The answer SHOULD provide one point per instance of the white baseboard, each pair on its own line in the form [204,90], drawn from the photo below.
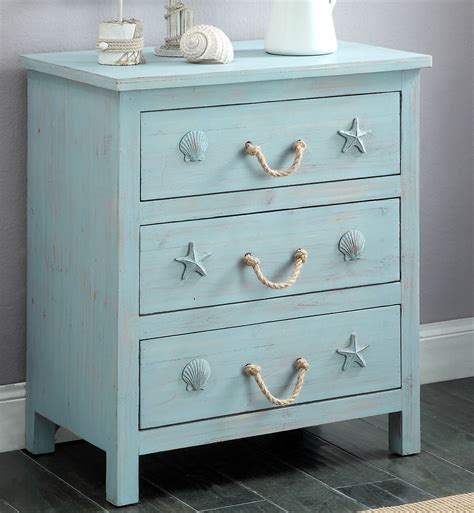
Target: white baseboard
[447,352]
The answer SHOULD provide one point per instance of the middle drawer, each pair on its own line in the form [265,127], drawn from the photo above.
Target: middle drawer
[200,263]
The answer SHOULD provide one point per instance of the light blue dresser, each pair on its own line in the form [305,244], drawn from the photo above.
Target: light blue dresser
[185,221]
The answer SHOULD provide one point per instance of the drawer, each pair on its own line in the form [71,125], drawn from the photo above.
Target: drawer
[218,247]
[201,375]
[213,140]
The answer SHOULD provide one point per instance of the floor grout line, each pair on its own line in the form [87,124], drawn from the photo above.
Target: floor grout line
[63,481]
[152,483]
[240,483]
[231,506]
[372,464]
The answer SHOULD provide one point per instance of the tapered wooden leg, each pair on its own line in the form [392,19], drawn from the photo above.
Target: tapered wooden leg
[40,433]
[404,431]
[122,478]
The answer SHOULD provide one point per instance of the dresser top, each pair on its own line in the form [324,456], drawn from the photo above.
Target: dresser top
[251,64]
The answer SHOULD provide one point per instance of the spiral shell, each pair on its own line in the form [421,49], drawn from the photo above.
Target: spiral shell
[207,44]
[193,146]
[352,245]
[196,374]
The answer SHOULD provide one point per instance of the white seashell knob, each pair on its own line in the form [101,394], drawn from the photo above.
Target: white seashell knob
[207,44]
[193,146]
[103,46]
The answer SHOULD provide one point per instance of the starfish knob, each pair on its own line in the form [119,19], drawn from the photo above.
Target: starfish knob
[352,354]
[354,137]
[193,262]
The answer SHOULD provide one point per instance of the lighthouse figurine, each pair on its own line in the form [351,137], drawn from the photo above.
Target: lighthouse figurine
[120,42]
[179,19]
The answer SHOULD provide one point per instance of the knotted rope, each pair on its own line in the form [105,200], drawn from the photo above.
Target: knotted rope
[255,151]
[254,370]
[300,257]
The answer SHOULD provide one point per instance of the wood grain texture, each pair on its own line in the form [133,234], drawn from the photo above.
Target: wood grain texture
[72,260]
[276,309]
[251,64]
[274,347]
[405,425]
[209,431]
[274,127]
[229,239]
[265,200]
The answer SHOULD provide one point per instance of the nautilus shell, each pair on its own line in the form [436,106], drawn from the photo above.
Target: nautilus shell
[194,145]
[207,44]
[352,245]
[196,374]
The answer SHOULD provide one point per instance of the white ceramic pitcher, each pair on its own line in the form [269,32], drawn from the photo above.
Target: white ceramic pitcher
[301,27]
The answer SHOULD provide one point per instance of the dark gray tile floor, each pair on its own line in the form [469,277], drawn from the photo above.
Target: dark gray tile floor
[333,468]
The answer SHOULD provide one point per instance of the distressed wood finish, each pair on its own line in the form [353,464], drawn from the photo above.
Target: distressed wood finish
[227,280]
[96,250]
[230,391]
[275,127]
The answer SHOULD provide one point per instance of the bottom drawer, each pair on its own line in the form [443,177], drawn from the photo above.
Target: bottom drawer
[198,376]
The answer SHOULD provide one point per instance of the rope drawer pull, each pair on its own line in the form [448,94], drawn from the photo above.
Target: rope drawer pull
[301,257]
[254,370]
[299,147]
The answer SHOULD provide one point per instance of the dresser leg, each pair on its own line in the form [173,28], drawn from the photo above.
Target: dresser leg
[122,479]
[404,432]
[40,433]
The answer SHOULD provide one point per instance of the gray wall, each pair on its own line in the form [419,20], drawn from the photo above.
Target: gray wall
[441,28]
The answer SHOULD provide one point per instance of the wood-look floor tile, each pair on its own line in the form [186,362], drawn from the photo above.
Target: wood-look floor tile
[292,490]
[458,387]
[83,466]
[443,406]
[193,482]
[440,439]
[252,507]
[404,491]
[321,460]
[28,488]
[426,471]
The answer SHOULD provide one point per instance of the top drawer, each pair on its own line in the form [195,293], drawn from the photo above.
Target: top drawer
[216,160]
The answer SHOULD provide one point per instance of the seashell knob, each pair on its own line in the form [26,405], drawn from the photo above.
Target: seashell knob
[194,145]
[207,44]
[196,374]
[103,46]
[352,245]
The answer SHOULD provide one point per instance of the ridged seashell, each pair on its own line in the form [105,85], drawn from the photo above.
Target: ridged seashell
[193,146]
[352,245]
[207,44]
[196,374]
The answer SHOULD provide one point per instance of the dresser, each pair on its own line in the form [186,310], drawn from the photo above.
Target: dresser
[217,252]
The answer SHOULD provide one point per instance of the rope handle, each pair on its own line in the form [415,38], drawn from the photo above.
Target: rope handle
[254,370]
[255,151]
[300,257]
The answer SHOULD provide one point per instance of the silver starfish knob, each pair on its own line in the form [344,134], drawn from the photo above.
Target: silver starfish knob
[193,262]
[354,137]
[352,353]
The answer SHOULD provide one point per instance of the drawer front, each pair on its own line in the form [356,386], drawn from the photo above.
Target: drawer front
[219,245]
[201,375]
[201,151]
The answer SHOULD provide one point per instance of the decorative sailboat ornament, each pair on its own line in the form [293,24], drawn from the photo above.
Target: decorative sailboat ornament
[179,19]
[120,42]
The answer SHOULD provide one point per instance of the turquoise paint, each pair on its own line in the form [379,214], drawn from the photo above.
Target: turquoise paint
[96,252]
[275,127]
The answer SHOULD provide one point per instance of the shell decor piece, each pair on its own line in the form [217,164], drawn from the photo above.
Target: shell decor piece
[196,375]
[352,245]
[194,146]
[207,44]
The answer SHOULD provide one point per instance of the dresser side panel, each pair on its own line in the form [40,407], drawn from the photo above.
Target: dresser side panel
[73,255]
